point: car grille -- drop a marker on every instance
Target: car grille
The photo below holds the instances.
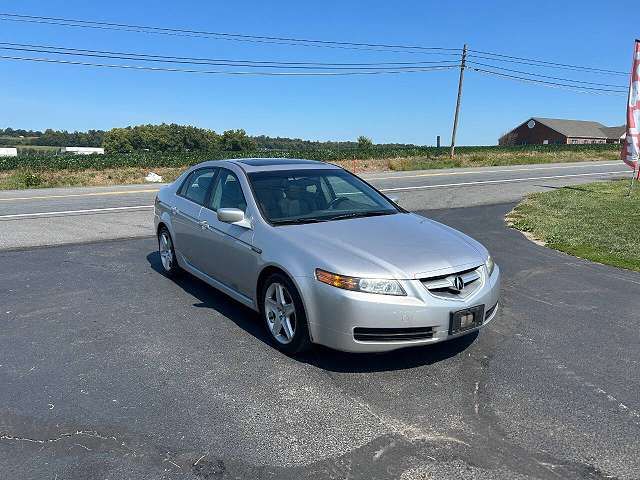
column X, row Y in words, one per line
column 362, row 334
column 443, row 286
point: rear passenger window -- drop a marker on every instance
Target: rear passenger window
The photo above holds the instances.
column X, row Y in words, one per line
column 197, row 185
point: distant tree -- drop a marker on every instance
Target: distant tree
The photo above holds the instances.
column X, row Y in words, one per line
column 117, row 140
column 161, row 138
column 364, row 143
column 237, row 140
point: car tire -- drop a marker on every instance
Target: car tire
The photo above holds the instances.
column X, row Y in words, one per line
column 168, row 259
column 283, row 315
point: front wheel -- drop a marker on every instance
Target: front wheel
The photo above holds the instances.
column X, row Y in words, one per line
column 283, row 314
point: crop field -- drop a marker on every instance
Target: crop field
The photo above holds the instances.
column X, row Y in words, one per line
column 419, row 157
column 40, row 168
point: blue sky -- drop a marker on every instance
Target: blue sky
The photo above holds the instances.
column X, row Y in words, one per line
column 407, row 108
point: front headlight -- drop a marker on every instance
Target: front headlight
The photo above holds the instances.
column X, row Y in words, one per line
column 490, row 264
column 368, row 285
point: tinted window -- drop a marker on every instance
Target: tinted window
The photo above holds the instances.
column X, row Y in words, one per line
column 197, row 184
column 303, row 196
column 227, row 192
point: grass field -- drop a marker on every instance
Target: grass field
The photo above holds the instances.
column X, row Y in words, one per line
column 23, row 178
column 42, row 169
column 22, row 149
column 594, row 221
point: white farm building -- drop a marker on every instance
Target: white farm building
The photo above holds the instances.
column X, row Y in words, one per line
column 83, row 150
column 8, row 152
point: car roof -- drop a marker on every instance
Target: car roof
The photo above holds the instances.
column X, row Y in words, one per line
column 251, row 165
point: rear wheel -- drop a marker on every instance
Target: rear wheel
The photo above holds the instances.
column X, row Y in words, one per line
column 284, row 316
column 168, row 259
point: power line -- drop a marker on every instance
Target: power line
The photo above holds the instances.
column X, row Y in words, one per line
column 538, row 65
column 318, row 68
column 218, row 62
column 133, row 30
column 222, row 35
column 506, row 58
column 225, row 72
column 292, row 41
column 575, row 88
column 546, row 76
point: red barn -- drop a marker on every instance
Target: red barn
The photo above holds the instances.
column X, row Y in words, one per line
column 545, row 131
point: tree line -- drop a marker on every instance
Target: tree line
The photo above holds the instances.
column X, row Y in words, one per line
column 174, row 138
column 54, row 138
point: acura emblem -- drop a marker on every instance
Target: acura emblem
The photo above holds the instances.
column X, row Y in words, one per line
column 458, row 283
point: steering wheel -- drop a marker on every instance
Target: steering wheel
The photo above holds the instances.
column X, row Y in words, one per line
column 335, row 202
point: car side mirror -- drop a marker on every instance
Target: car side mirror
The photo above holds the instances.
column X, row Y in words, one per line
column 233, row 215
column 394, row 199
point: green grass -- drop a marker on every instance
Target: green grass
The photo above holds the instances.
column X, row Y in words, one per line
column 26, row 178
column 25, row 149
column 594, row 221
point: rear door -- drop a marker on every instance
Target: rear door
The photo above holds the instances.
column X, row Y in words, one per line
column 189, row 199
column 227, row 249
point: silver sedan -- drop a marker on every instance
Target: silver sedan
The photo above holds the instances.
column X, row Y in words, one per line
column 323, row 256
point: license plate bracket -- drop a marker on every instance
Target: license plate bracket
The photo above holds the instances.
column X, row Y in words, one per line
column 467, row 319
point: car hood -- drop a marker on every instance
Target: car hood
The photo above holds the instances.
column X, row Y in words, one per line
column 402, row 246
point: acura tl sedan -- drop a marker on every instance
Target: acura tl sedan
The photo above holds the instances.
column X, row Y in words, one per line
column 323, row 256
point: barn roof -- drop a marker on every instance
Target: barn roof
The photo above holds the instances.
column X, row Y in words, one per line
column 576, row 128
column 615, row 132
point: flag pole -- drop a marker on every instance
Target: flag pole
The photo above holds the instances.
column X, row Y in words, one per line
column 636, row 160
column 636, row 173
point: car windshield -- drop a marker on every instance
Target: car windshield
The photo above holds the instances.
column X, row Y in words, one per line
column 307, row 196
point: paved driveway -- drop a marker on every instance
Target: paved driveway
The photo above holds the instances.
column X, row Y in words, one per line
column 110, row 370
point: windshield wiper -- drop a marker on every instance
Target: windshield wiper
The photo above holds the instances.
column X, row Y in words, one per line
column 297, row 221
column 372, row 213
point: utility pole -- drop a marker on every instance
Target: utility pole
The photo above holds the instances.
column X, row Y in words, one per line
column 455, row 118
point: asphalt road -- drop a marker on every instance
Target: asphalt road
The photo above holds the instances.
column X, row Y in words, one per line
column 59, row 216
column 109, row 370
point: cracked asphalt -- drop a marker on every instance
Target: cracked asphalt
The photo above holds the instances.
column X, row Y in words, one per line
column 109, row 370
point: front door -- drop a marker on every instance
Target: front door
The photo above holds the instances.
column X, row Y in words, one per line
column 227, row 248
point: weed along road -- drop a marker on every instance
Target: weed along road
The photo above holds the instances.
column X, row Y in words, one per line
column 58, row 216
column 111, row 370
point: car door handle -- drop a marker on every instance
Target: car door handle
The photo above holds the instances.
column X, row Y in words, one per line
column 204, row 225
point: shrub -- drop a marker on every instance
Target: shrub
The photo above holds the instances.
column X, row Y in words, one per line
column 26, row 179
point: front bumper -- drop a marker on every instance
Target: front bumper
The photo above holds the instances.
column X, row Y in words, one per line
column 333, row 314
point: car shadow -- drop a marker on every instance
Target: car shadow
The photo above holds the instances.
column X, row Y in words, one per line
column 319, row 356
column 402, row 359
column 213, row 299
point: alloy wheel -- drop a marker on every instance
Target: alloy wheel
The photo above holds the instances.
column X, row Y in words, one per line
column 166, row 251
column 280, row 313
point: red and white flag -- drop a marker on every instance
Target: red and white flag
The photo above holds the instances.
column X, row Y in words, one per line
column 631, row 148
